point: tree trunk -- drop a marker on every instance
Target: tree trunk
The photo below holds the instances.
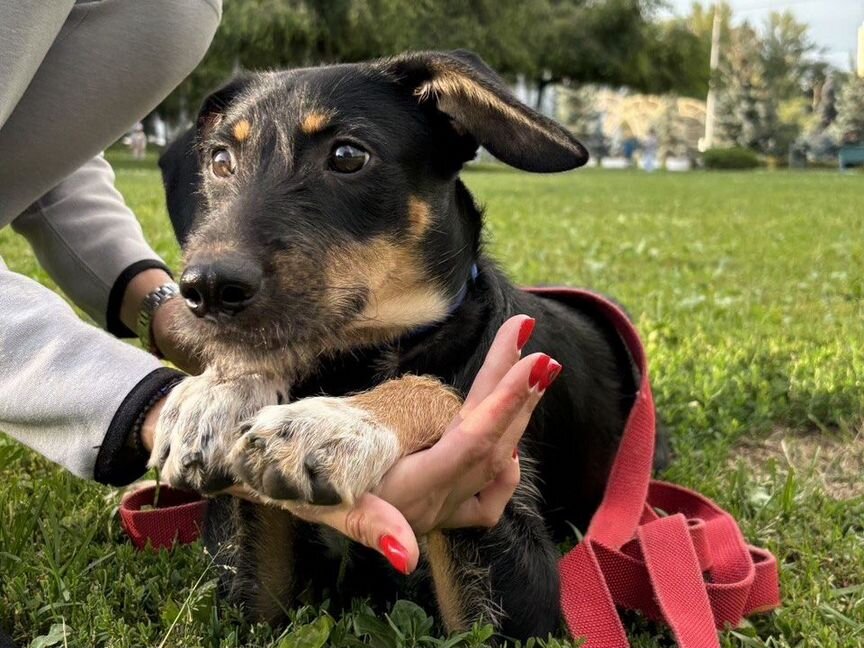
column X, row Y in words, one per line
column 541, row 91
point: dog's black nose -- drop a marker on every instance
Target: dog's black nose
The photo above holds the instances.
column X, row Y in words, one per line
column 225, row 285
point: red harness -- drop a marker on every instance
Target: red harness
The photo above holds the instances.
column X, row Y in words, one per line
column 690, row 568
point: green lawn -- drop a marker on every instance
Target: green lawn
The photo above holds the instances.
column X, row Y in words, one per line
column 749, row 291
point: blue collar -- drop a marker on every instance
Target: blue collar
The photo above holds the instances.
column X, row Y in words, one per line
column 463, row 291
column 458, row 300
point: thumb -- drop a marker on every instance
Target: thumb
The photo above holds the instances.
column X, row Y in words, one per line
column 375, row 523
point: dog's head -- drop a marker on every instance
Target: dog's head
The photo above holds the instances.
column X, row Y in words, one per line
column 323, row 205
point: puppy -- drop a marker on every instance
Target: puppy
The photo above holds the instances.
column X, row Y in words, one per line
column 336, row 286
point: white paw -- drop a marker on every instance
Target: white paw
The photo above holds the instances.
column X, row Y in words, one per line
column 200, row 423
column 321, row 451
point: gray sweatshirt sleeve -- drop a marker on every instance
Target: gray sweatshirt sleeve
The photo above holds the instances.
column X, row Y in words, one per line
column 69, row 390
column 89, row 241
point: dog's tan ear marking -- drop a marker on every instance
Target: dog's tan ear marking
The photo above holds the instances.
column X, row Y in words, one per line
column 314, row 122
column 464, row 88
column 242, row 129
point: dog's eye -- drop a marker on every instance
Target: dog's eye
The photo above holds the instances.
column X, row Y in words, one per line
column 222, row 163
column 346, row 158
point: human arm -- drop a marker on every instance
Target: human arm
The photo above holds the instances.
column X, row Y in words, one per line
column 72, row 392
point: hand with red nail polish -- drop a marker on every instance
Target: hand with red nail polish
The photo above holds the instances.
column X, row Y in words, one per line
column 453, row 484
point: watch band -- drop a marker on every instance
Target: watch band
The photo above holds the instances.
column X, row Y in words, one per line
column 148, row 308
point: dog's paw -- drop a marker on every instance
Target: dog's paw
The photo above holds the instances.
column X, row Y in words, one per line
column 199, row 425
column 322, row 451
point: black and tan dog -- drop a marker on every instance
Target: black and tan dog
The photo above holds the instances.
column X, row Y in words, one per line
column 337, row 287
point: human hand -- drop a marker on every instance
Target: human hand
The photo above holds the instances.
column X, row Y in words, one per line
column 182, row 357
column 467, row 478
column 138, row 288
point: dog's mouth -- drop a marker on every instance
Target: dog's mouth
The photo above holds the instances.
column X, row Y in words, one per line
column 275, row 325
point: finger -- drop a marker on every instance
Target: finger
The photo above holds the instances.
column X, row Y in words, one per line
column 371, row 522
column 486, row 507
column 511, row 437
column 484, row 425
column 492, row 431
column 474, row 441
column 502, row 355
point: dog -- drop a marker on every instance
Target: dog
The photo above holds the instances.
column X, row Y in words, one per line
column 338, row 290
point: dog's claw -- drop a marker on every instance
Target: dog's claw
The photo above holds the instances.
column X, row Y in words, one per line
column 277, row 486
column 323, row 493
column 243, row 470
column 216, row 482
column 192, row 459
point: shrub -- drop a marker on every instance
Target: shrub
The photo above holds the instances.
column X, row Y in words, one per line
column 730, row 158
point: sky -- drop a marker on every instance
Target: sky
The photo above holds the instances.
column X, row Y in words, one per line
column 833, row 23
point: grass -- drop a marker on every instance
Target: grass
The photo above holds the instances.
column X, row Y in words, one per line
column 749, row 293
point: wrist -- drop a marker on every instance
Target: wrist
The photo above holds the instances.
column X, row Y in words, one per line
column 141, row 285
column 128, row 441
column 148, row 427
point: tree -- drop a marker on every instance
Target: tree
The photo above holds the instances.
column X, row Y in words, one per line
column 763, row 84
column 850, row 112
column 548, row 41
column 615, row 42
column 785, row 51
column 746, row 109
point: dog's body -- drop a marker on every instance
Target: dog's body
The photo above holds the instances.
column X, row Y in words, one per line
column 371, row 288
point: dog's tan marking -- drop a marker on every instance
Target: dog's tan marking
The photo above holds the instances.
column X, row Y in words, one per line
column 419, row 216
column 242, row 130
column 449, row 85
column 448, row 591
column 274, row 560
column 314, row 122
column 417, row 408
column 399, row 294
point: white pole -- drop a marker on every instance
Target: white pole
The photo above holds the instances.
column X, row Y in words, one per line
column 861, row 51
column 710, row 104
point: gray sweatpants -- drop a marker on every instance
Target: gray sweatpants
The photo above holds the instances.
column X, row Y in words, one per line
column 73, row 78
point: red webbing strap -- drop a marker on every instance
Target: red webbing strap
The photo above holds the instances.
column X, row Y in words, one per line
column 691, row 569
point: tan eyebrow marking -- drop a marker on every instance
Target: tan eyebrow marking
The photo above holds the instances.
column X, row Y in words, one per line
column 313, row 122
column 242, row 129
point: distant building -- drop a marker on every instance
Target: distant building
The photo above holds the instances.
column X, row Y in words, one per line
column 608, row 119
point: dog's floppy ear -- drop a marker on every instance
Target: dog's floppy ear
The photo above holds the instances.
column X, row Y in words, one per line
column 477, row 100
column 181, row 174
column 181, row 162
column 216, row 104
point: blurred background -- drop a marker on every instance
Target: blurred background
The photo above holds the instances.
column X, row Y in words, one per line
column 644, row 82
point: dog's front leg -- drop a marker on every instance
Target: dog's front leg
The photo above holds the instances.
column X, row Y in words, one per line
column 327, row 451
column 506, row 575
column 200, row 423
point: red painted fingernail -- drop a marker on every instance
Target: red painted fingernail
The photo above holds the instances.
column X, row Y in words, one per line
column 551, row 374
column 394, row 552
column 525, row 331
column 516, row 452
column 538, row 370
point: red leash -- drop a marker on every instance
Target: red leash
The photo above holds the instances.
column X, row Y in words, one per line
column 691, row 568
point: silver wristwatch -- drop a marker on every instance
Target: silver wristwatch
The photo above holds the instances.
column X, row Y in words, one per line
column 148, row 308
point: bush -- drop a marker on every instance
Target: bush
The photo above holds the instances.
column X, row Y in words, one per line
column 730, row 158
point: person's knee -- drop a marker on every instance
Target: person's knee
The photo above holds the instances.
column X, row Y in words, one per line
column 177, row 33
